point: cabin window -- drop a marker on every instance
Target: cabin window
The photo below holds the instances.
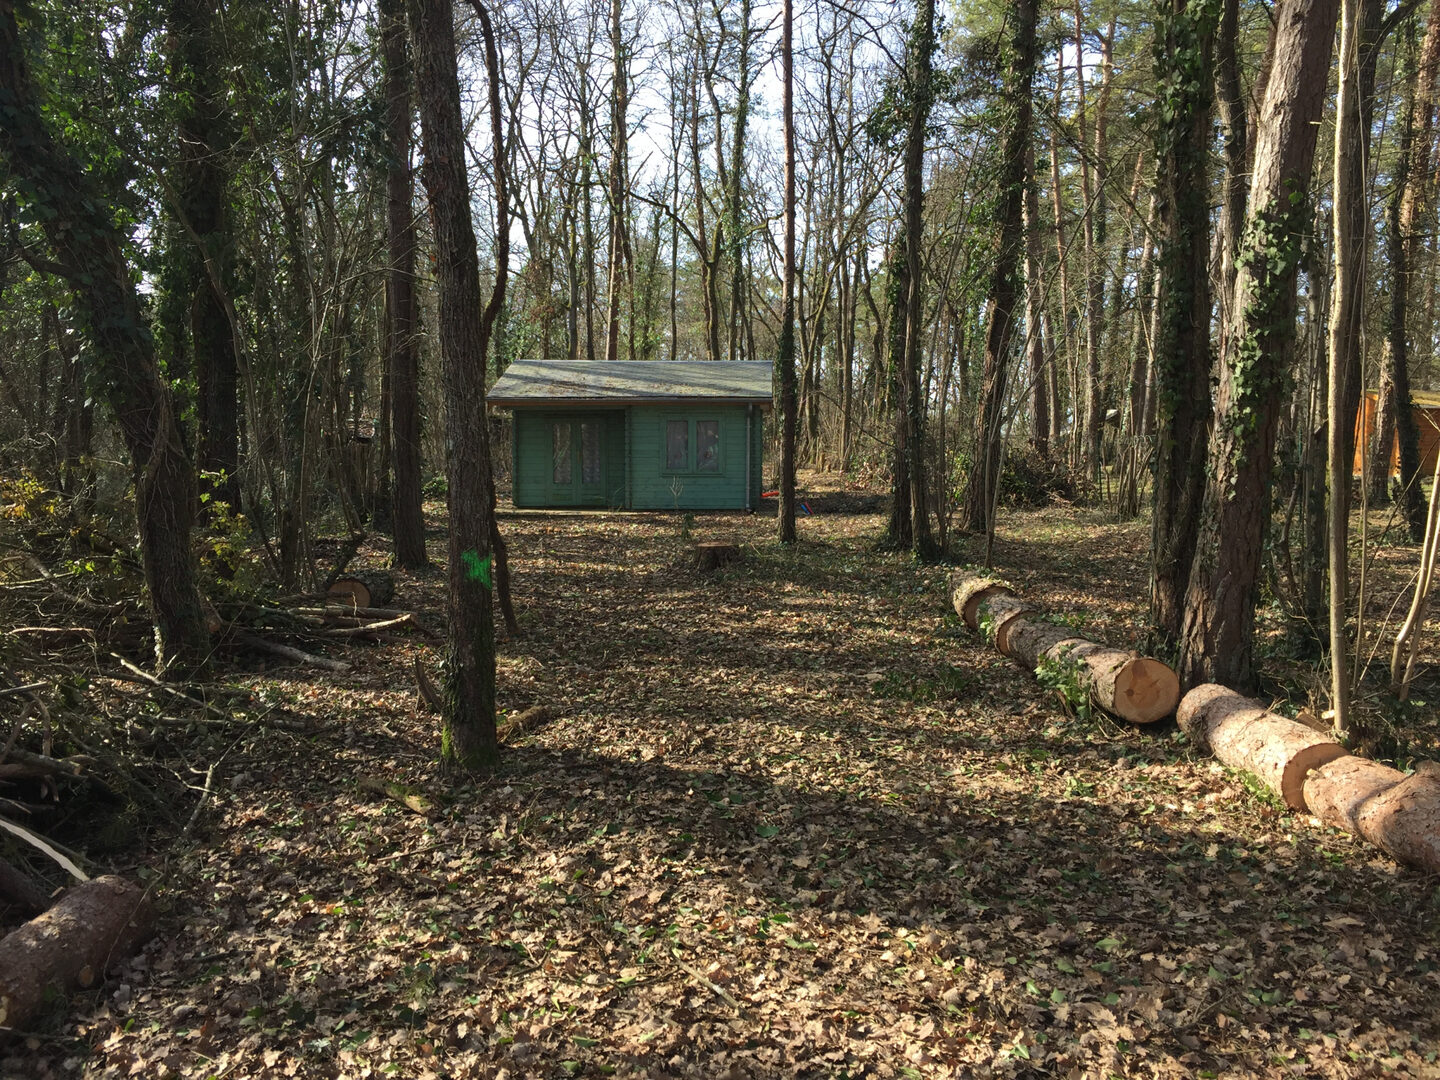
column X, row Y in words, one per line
column 561, row 446
column 590, row 451
column 677, row 445
column 707, row 445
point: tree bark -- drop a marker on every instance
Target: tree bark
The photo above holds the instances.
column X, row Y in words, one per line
column 468, row 740
column 1218, row 628
column 785, row 359
column 93, row 925
column 1183, row 38
column 402, row 343
column 1004, row 290
column 80, row 228
column 1245, row 735
column 1393, row 409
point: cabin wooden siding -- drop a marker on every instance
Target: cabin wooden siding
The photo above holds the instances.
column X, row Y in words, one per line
column 634, row 466
column 1426, row 409
column 532, row 460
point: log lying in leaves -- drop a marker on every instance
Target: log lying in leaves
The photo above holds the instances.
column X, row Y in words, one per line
column 363, row 588
column 968, row 590
column 1132, row 687
column 89, row 928
column 298, row 655
column 1245, row 735
column 1397, row 813
column 522, row 723
column 987, row 606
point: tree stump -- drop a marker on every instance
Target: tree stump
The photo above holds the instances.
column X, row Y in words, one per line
column 363, row 588
column 1245, row 735
column 92, row 926
column 714, row 554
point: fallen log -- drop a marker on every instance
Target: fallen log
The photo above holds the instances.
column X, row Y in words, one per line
column 967, row 591
column 1133, row 687
column 522, row 723
column 84, row 932
column 1397, row 813
column 363, row 588
column 298, row 655
column 1245, row 735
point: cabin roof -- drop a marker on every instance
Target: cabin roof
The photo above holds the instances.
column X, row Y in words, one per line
column 632, row 382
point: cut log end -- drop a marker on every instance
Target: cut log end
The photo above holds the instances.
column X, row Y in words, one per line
column 363, row 588
column 1301, row 765
column 1145, row 691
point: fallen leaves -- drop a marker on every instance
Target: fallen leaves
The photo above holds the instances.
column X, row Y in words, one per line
column 784, row 820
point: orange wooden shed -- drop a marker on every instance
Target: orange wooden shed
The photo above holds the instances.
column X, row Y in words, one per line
column 1427, row 418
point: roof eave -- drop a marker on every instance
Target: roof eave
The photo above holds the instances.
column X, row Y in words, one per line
column 765, row 404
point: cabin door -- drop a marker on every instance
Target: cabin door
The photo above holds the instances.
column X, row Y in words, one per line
column 577, row 462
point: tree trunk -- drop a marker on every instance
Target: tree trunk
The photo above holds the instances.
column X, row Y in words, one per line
column 80, row 227
column 912, row 405
column 619, row 179
column 1233, row 116
column 785, row 360
column 1218, row 629
column 402, row 343
column 1350, row 218
column 1393, row 409
column 201, row 180
column 468, row 740
column 1035, row 314
column 1182, row 333
column 1004, row 299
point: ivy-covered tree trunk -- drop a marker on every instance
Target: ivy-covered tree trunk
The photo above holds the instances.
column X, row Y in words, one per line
column 1184, row 35
column 1005, row 301
column 1217, row 634
column 402, row 344
column 80, row 228
column 205, row 251
column 468, row 740
column 909, row 299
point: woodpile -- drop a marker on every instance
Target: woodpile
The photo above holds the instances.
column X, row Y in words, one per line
column 94, row 925
column 1133, row 687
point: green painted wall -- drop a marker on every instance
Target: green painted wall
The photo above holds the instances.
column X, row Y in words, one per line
column 656, row 487
column 533, row 464
column 635, row 472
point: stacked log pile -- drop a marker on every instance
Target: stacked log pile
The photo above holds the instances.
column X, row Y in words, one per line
column 1133, row 687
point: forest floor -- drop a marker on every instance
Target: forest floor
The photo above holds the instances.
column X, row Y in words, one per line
column 790, row 819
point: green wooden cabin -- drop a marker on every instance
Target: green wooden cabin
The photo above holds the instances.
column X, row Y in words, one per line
column 636, row 435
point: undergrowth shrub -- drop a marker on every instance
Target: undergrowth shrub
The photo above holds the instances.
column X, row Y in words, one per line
column 1028, row 481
